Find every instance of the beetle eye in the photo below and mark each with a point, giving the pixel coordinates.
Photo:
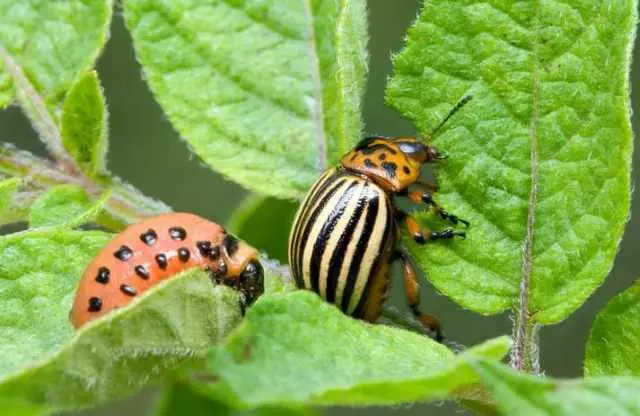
(252, 275)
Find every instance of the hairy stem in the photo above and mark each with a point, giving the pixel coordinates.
(125, 206)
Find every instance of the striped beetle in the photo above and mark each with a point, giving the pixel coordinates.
(345, 234)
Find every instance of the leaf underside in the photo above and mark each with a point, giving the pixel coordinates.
(266, 92)
(612, 348)
(281, 355)
(520, 394)
(539, 160)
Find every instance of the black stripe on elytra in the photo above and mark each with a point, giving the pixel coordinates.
(304, 213)
(320, 244)
(362, 244)
(374, 147)
(338, 255)
(230, 244)
(308, 225)
(388, 229)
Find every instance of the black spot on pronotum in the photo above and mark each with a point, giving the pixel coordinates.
(214, 253)
(230, 244)
(204, 247)
(369, 163)
(183, 254)
(161, 259)
(406, 170)
(95, 304)
(177, 233)
(103, 275)
(142, 271)
(391, 168)
(128, 289)
(149, 237)
(124, 253)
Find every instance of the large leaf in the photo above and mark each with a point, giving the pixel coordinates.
(612, 348)
(540, 158)
(266, 92)
(519, 394)
(265, 223)
(168, 328)
(295, 349)
(84, 125)
(51, 42)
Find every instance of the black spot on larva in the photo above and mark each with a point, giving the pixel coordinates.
(161, 259)
(124, 253)
(177, 233)
(230, 244)
(214, 253)
(369, 163)
(382, 156)
(183, 254)
(128, 289)
(142, 271)
(391, 168)
(95, 304)
(406, 170)
(204, 247)
(149, 237)
(103, 275)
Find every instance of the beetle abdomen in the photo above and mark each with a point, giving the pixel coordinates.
(339, 238)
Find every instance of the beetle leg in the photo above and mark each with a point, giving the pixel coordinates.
(421, 236)
(426, 197)
(412, 290)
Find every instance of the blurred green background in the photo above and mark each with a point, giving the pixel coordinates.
(146, 151)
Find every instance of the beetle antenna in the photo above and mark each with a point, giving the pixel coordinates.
(454, 110)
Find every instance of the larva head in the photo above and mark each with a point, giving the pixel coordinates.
(392, 162)
(242, 268)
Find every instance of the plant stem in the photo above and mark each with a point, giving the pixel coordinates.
(126, 205)
(525, 355)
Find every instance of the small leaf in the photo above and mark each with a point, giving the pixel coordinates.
(168, 328)
(266, 92)
(294, 349)
(539, 160)
(265, 222)
(612, 348)
(65, 205)
(84, 125)
(521, 394)
(8, 188)
(52, 42)
(181, 398)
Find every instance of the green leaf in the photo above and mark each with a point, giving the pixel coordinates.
(38, 274)
(521, 394)
(168, 328)
(8, 189)
(51, 42)
(84, 125)
(265, 222)
(540, 158)
(65, 205)
(612, 348)
(180, 397)
(266, 92)
(294, 349)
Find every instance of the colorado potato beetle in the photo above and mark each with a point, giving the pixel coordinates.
(156, 249)
(345, 234)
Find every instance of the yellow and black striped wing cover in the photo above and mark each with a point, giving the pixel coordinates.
(339, 238)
